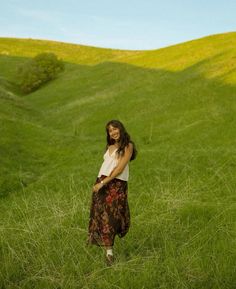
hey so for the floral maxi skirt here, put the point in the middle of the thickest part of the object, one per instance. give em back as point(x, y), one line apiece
point(109, 213)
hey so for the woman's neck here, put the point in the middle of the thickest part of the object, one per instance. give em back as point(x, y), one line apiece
point(116, 144)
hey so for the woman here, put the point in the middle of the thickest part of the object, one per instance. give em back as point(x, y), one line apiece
point(109, 212)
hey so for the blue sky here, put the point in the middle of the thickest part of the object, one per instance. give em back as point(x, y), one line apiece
point(123, 24)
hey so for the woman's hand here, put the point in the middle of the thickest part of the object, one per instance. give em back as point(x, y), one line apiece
point(97, 187)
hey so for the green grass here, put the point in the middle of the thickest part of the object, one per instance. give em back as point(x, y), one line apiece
point(178, 103)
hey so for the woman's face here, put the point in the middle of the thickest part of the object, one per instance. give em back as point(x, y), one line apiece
point(114, 132)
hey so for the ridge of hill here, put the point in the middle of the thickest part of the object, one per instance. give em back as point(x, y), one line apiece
point(83, 54)
point(214, 53)
point(74, 53)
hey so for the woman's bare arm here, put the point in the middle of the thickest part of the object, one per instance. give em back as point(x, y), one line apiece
point(123, 161)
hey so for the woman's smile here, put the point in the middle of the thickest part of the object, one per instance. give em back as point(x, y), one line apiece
point(114, 132)
point(115, 136)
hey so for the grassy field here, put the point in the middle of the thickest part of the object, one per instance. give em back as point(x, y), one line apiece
point(179, 105)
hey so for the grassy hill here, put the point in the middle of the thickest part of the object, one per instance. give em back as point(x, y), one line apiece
point(178, 104)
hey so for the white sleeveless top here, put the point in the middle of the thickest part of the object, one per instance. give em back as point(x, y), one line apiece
point(109, 163)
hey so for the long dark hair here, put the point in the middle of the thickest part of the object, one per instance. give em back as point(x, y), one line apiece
point(124, 138)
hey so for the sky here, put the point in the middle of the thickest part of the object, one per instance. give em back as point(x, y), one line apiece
point(121, 24)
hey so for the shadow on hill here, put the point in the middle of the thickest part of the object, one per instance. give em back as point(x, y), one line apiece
point(90, 93)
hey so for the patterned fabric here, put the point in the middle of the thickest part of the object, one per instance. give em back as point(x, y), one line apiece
point(109, 213)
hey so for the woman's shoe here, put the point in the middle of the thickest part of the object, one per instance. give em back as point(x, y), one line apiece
point(110, 259)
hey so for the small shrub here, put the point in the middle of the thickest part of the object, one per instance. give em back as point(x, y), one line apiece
point(39, 70)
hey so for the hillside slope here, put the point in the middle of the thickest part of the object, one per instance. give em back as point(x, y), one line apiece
point(178, 104)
